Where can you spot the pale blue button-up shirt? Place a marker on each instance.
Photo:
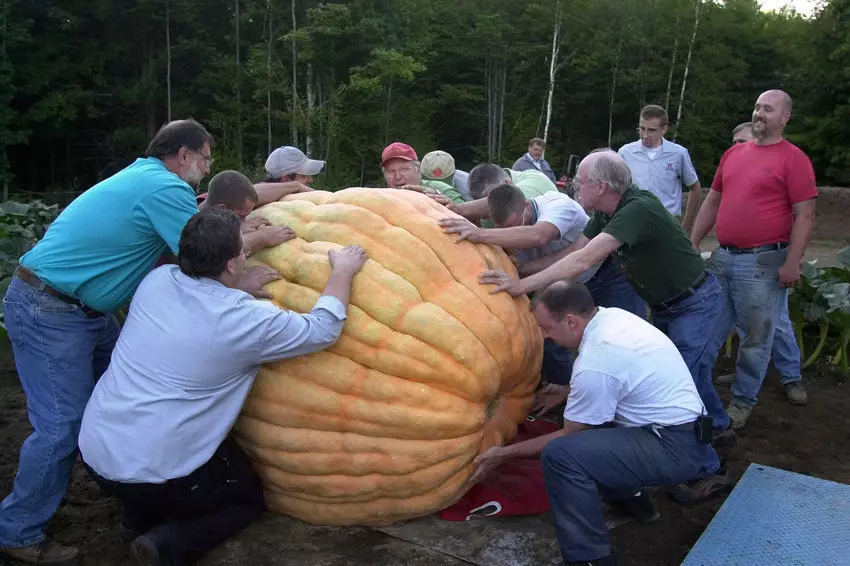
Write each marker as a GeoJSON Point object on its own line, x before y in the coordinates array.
{"type": "Point", "coordinates": [664, 175]}
{"type": "Point", "coordinates": [183, 365]}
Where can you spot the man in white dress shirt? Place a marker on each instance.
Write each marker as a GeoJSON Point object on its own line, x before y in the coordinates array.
{"type": "Point", "coordinates": [632, 420]}
{"type": "Point", "coordinates": [155, 432]}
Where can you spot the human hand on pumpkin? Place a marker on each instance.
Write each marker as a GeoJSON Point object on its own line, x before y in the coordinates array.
{"type": "Point", "coordinates": [254, 223]}
{"type": "Point", "coordinates": [349, 259]}
{"type": "Point", "coordinates": [548, 398]}
{"type": "Point", "coordinates": [253, 279]}
{"type": "Point", "coordinates": [467, 230]}
{"type": "Point", "coordinates": [271, 236]}
{"type": "Point", "coordinates": [417, 189]}
{"type": "Point", "coordinates": [501, 280]}
{"type": "Point", "coordinates": [443, 199]}
{"type": "Point", "coordinates": [486, 463]}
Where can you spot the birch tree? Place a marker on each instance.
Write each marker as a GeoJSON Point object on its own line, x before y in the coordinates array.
{"type": "Point", "coordinates": [697, 5]}
{"type": "Point", "coordinates": [614, 73]}
{"type": "Point", "coordinates": [238, 88]}
{"type": "Point", "coordinates": [293, 120]}
{"type": "Point", "coordinates": [168, 54]}
{"type": "Point", "coordinates": [672, 61]}
{"type": "Point", "coordinates": [269, 45]}
{"type": "Point", "coordinates": [553, 67]}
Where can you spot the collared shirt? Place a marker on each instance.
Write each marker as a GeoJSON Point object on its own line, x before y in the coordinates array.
{"type": "Point", "coordinates": [662, 174]}
{"type": "Point", "coordinates": [183, 365]}
{"type": "Point", "coordinates": [105, 242]}
{"type": "Point", "coordinates": [526, 163]}
{"type": "Point", "coordinates": [568, 217]}
{"type": "Point", "coordinates": [630, 373]}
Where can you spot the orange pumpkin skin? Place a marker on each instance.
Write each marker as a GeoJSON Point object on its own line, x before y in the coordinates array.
{"type": "Point", "coordinates": [384, 426]}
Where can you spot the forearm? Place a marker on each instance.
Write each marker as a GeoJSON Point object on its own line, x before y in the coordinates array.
{"type": "Point", "coordinates": [273, 192]}
{"type": "Point", "coordinates": [517, 238]}
{"type": "Point", "coordinates": [473, 210]}
{"type": "Point", "coordinates": [692, 207]}
{"type": "Point", "coordinates": [533, 447]}
{"type": "Point", "coordinates": [801, 233]}
{"type": "Point", "coordinates": [339, 285]}
{"type": "Point", "coordinates": [253, 242]}
{"type": "Point", "coordinates": [568, 267]}
{"type": "Point", "coordinates": [705, 220]}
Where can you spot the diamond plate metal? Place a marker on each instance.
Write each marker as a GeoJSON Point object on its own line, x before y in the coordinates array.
{"type": "Point", "coordinates": [775, 517]}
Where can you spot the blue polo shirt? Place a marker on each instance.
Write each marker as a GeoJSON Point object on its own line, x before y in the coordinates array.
{"type": "Point", "coordinates": [104, 243]}
{"type": "Point", "coordinates": [662, 175]}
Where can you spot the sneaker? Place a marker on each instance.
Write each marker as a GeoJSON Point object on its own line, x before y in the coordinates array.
{"type": "Point", "coordinates": [724, 438]}
{"type": "Point", "coordinates": [143, 551]}
{"type": "Point", "coordinates": [640, 506]}
{"type": "Point", "coordinates": [725, 379]}
{"type": "Point", "coordinates": [796, 393]}
{"type": "Point", "coordinates": [604, 561]}
{"type": "Point", "coordinates": [738, 414]}
{"type": "Point", "coordinates": [45, 552]}
{"type": "Point", "coordinates": [702, 489]}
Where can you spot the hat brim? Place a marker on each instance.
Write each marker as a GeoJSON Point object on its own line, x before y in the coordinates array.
{"type": "Point", "coordinates": [402, 157]}
{"type": "Point", "coordinates": [311, 167]}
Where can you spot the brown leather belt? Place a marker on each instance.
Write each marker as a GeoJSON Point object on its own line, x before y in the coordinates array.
{"type": "Point", "coordinates": [32, 279]}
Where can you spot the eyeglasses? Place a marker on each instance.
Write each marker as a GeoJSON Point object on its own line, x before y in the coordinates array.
{"type": "Point", "coordinates": [208, 161]}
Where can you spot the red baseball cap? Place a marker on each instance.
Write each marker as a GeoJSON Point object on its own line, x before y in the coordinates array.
{"type": "Point", "coordinates": [398, 150]}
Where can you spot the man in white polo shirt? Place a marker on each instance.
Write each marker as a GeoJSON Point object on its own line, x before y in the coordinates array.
{"type": "Point", "coordinates": [630, 375]}
{"type": "Point", "coordinates": [662, 167]}
{"type": "Point", "coordinates": [155, 433]}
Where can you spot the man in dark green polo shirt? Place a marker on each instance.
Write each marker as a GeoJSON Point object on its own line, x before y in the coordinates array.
{"type": "Point", "coordinates": [658, 260]}
{"type": "Point", "coordinates": [656, 256]}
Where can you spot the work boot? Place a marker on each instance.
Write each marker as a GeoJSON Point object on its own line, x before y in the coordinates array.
{"type": "Point", "coordinates": [795, 392]}
{"type": "Point", "coordinates": [640, 506]}
{"type": "Point", "coordinates": [704, 488]}
{"type": "Point", "coordinates": [725, 379]}
{"type": "Point", "coordinates": [724, 438]}
{"type": "Point", "coordinates": [46, 552]}
{"type": "Point", "coordinates": [738, 414]}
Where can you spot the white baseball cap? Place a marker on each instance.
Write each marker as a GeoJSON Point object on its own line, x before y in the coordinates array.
{"type": "Point", "coordinates": [438, 165]}
{"type": "Point", "coordinates": [288, 160]}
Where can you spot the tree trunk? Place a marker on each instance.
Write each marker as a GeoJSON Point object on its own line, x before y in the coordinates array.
{"type": "Point", "coordinates": [168, 53]}
{"type": "Point", "coordinates": [672, 62]}
{"type": "Point", "coordinates": [238, 90]}
{"type": "Point", "coordinates": [388, 111]}
{"type": "Point", "coordinates": [294, 118]}
{"type": "Point", "coordinates": [553, 67]}
{"type": "Point", "coordinates": [614, 85]}
{"type": "Point", "coordinates": [149, 80]}
{"type": "Point", "coordinates": [697, 4]}
{"type": "Point", "coordinates": [269, 76]}
{"type": "Point", "coordinates": [495, 72]}
{"type": "Point", "coordinates": [311, 105]}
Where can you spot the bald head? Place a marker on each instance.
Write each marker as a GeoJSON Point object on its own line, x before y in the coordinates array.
{"type": "Point", "coordinates": [778, 98]}
{"type": "Point", "coordinates": [605, 166]}
{"type": "Point", "coordinates": [770, 115]}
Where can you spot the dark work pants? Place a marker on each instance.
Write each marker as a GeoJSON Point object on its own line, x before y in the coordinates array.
{"type": "Point", "coordinates": [585, 468]}
{"type": "Point", "coordinates": [190, 515]}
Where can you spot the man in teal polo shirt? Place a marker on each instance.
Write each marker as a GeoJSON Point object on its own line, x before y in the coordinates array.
{"type": "Point", "coordinates": [59, 315]}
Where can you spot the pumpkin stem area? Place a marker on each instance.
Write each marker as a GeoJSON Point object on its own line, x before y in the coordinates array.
{"type": "Point", "coordinates": [493, 405]}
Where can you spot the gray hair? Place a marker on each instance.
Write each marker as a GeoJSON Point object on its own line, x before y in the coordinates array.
{"type": "Point", "coordinates": [485, 177]}
{"type": "Point", "coordinates": [609, 168]}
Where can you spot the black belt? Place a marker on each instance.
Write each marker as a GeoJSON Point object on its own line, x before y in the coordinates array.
{"type": "Point", "coordinates": [30, 278]}
{"type": "Point", "coordinates": [684, 294]}
{"type": "Point", "coordinates": [765, 248]}
{"type": "Point", "coordinates": [691, 426]}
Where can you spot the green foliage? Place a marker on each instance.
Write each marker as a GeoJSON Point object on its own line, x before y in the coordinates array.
{"type": "Point", "coordinates": [21, 226]}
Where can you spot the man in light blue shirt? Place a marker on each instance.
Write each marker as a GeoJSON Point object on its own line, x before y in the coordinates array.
{"type": "Point", "coordinates": [59, 315]}
{"type": "Point", "coordinates": [155, 432]}
{"type": "Point", "coordinates": [662, 167]}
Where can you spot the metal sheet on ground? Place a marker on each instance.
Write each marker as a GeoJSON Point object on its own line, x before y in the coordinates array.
{"type": "Point", "coordinates": [778, 517]}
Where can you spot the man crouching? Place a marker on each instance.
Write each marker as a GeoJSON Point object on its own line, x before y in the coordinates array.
{"type": "Point", "coordinates": [155, 432]}
{"type": "Point", "coordinates": [630, 375]}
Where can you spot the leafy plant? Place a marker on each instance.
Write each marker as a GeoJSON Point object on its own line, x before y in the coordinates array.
{"type": "Point", "coordinates": [21, 226]}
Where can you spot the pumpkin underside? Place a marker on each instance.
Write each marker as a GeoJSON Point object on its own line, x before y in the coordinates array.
{"type": "Point", "coordinates": [384, 425]}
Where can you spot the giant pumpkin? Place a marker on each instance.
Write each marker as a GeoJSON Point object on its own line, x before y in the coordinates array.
{"type": "Point", "coordinates": [431, 368]}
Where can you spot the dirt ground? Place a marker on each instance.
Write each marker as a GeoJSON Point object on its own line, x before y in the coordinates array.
{"type": "Point", "coordinates": [810, 440]}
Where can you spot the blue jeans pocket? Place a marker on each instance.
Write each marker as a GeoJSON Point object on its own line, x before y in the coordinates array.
{"type": "Point", "coordinates": [772, 259]}
{"type": "Point", "coordinates": [46, 303]}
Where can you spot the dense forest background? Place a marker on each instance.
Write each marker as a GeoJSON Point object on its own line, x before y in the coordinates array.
{"type": "Point", "coordinates": [84, 84]}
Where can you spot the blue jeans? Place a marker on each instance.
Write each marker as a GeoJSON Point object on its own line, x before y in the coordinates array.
{"type": "Point", "coordinates": [582, 469]}
{"type": "Point", "coordinates": [785, 350]}
{"type": "Point", "coordinates": [753, 302]}
{"type": "Point", "coordinates": [690, 325]}
{"type": "Point", "coordinates": [59, 353]}
{"type": "Point", "coordinates": [609, 288]}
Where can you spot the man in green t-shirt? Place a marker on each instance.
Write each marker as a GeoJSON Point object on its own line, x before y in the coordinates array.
{"type": "Point", "coordinates": [402, 170]}
{"type": "Point", "coordinates": [657, 258]}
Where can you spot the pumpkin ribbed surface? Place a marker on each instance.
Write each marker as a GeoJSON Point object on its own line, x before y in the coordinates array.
{"type": "Point", "coordinates": [430, 369]}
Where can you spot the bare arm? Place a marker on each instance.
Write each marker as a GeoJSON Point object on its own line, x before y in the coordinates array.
{"type": "Point", "coordinates": [518, 237]}
{"type": "Point", "coordinates": [273, 192]}
{"type": "Point", "coordinates": [473, 210]}
{"type": "Point", "coordinates": [568, 267]}
{"type": "Point", "coordinates": [801, 232]}
{"type": "Point", "coordinates": [706, 218]}
{"type": "Point", "coordinates": [536, 265]}
{"type": "Point", "coordinates": [692, 207]}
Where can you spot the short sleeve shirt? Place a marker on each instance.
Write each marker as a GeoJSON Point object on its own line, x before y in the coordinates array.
{"type": "Point", "coordinates": [104, 243]}
{"type": "Point", "coordinates": [444, 189]}
{"type": "Point", "coordinates": [663, 174]}
{"type": "Point", "coordinates": [656, 255]}
{"type": "Point", "coordinates": [759, 185]}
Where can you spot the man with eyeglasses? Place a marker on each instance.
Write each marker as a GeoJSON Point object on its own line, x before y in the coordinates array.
{"type": "Point", "coordinates": [661, 166]}
{"type": "Point", "coordinates": [59, 317]}
{"type": "Point", "coordinates": [402, 170]}
{"type": "Point", "coordinates": [785, 350]}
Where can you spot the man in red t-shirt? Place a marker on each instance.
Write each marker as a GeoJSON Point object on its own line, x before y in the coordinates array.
{"type": "Point", "coordinates": [763, 203]}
